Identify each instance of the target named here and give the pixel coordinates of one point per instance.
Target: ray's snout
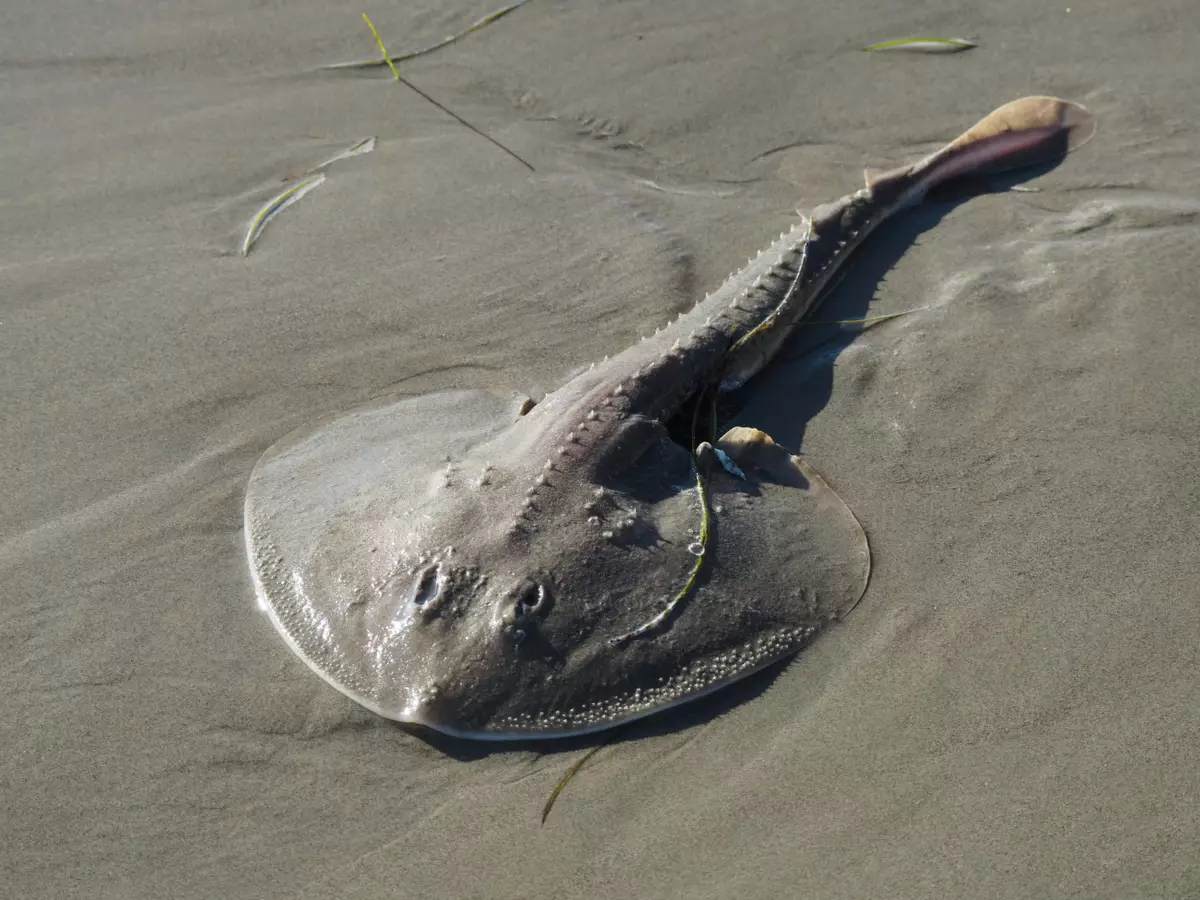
(471, 645)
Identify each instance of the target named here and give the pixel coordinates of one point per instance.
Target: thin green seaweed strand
(273, 206)
(870, 320)
(413, 54)
(945, 45)
(702, 540)
(425, 96)
(562, 782)
(772, 317)
(705, 524)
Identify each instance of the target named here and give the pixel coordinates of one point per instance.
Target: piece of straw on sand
(363, 146)
(412, 54)
(923, 45)
(562, 782)
(408, 84)
(274, 206)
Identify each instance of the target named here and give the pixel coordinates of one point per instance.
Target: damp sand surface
(1009, 712)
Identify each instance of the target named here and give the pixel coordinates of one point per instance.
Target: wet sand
(1010, 711)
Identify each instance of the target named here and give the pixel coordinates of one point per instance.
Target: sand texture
(1012, 710)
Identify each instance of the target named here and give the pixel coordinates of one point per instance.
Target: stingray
(496, 569)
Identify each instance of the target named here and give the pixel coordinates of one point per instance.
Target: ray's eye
(429, 585)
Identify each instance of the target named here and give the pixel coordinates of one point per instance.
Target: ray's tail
(1026, 132)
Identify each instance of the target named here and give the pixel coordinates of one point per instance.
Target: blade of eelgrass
(924, 45)
(682, 192)
(870, 320)
(425, 96)
(413, 54)
(363, 146)
(274, 206)
(562, 782)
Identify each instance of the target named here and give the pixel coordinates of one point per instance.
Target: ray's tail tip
(1027, 132)
(1072, 119)
(1079, 122)
(1068, 121)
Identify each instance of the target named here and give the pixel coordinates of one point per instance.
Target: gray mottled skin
(482, 597)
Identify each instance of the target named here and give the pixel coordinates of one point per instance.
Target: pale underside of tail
(1026, 132)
